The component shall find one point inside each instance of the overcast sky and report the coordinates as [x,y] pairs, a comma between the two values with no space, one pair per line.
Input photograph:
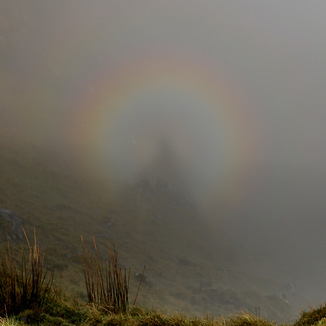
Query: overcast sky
[270,52]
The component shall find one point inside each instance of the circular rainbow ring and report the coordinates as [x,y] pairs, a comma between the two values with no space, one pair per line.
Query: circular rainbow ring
[99,106]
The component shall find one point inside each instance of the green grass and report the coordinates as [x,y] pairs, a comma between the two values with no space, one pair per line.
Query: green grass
[9,322]
[316,316]
[65,311]
[68,313]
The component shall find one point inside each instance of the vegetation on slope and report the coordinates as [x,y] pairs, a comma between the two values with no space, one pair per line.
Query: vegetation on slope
[65,311]
[315,316]
[28,297]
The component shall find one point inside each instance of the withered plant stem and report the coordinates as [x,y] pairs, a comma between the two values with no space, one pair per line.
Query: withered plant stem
[27,285]
[106,283]
[139,284]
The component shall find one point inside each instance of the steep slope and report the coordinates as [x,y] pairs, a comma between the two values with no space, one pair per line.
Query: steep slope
[189,268]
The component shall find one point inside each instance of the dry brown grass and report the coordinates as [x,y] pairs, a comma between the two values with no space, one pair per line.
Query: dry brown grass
[26,285]
[106,283]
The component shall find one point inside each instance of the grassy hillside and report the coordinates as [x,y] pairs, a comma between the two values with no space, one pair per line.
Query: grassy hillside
[189,269]
[29,297]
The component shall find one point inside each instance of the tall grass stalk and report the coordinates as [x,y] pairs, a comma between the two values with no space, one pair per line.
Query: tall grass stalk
[139,284]
[106,283]
[26,285]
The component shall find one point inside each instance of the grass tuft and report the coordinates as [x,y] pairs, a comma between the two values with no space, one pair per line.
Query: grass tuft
[106,283]
[8,322]
[26,285]
[245,319]
[312,317]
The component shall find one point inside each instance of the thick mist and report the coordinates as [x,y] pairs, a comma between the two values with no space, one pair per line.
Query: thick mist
[220,101]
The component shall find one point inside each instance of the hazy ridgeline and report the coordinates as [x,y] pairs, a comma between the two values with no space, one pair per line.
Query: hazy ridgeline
[191,135]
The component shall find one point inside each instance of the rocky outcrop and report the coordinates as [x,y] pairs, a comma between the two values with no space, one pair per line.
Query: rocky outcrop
[11,225]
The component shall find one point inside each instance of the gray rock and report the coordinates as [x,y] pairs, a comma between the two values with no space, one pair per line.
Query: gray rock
[145,280]
[11,224]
